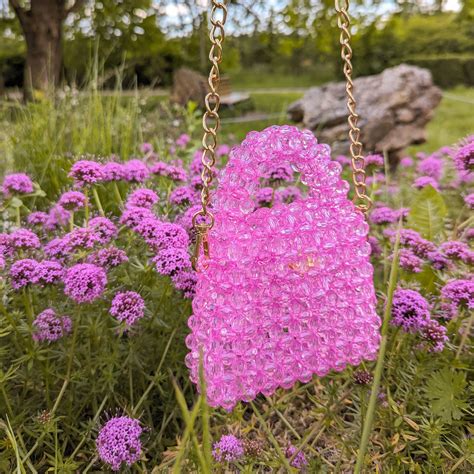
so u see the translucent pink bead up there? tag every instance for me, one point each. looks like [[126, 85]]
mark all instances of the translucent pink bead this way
[[289, 291]]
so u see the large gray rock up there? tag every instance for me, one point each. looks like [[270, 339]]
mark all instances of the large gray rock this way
[[393, 106]]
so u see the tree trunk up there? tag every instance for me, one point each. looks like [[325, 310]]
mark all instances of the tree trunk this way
[[42, 27]]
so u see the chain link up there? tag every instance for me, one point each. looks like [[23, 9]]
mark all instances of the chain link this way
[[357, 158], [203, 220]]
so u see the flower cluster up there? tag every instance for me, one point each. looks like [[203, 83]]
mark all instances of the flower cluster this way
[[16, 183], [119, 442], [228, 449], [85, 282], [50, 327], [128, 307]]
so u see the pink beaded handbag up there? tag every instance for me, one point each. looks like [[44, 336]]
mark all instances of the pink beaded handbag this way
[[285, 292]]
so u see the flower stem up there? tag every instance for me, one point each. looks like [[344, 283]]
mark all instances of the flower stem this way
[[118, 195], [369, 418], [71, 221], [97, 202], [465, 335]]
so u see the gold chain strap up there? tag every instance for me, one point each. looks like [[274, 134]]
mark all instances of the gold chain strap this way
[[357, 158], [210, 123]]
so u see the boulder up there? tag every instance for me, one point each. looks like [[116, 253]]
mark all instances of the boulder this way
[[189, 85], [394, 107]]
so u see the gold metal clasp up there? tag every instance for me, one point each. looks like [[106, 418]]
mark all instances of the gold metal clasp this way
[[201, 241]]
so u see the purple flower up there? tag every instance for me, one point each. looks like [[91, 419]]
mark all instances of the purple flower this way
[[424, 181], [109, 257], [185, 282], [146, 148], [113, 171], [289, 194], [469, 234], [171, 260], [119, 442], [196, 183], [406, 162], [25, 239], [132, 217], [148, 229], [438, 260], [57, 248], [299, 461], [57, 217], [409, 310], [457, 250], [81, 238], [228, 449], [222, 150], [265, 197], [104, 228], [17, 183], [169, 235], [23, 272], [48, 272], [176, 173], [72, 200], [375, 248], [384, 215], [37, 218], [127, 307], [6, 245], [376, 160], [434, 334], [409, 237], [143, 197], [342, 160], [469, 200], [85, 172], [409, 261], [183, 140], [182, 196], [85, 282], [464, 156], [432, 167], [135, 171], [458, 293], [50, 327], [279, 174], [160, 168]]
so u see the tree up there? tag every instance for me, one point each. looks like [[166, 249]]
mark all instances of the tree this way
[[42, 24]]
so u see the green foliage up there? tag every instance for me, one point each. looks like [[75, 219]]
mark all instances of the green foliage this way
[[446, 391], [427, 213]]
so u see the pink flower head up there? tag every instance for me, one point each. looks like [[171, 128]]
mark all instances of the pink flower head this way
[[384, 215], [410, 310], [409, 261], [279, 174], [265, 197], [228, 449], [289, 194], [146, 148], [170, 261], [48, 272], [134, 216], [135, 171], [128, 307], [6, 245], [81, 238], [375, 248], [23, 273], [25, 239], [299, 458], [119, 442], [458, 293], [85, 282], [343, 160], [113, 171], [469, 200], [142, 197], [57, 217], [37, 218], [434, 334], [183, 140], [86, 172], [222, 150], [50, 327], [72, 200], [109, 257], [104, 228], [464, 156], [17, 183], [424, 181], [185, 282], [58, 248], [432, 167], [406, 162], [182, 196], [375, 160], [457, 250], [169, 235]]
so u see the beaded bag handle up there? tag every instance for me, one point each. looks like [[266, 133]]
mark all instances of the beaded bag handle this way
[[203, 220]]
